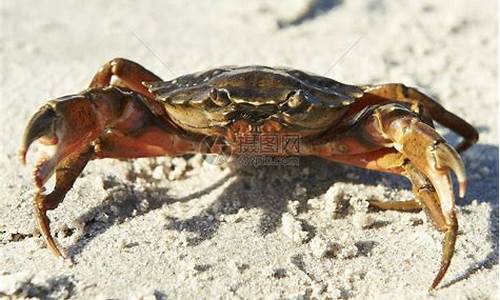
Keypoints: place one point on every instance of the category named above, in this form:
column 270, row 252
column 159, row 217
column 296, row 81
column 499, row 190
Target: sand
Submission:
column 186, row 228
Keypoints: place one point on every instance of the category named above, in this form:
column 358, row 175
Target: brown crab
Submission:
column 129, row 112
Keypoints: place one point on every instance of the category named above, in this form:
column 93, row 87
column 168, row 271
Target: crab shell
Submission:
column 300, row 102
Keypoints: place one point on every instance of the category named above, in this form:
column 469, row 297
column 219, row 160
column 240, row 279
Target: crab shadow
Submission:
column 124, row 203
column 54, row 288
column 271, row 188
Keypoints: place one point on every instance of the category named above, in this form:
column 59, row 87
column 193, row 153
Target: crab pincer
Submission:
column 430, row 160
column 97, row 123
column 70, row 142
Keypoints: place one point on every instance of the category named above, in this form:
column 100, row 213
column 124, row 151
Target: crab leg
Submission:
column 400, row 92
column 422, row 145
column 130, row 74
column 404, row 206
column 67, row 172
column 444, row 222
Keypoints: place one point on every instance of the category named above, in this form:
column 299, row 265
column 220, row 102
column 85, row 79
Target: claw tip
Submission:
column 462, row 188
column 22, row 156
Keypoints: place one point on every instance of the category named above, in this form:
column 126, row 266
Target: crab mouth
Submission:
column 41, row 129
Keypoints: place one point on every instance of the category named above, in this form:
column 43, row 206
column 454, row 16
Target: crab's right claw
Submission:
column 436, row 162
column 425, row 148
column 432, row 155
column 446, row 158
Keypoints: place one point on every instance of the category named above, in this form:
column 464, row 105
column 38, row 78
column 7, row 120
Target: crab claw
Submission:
column 445, row 157
column 434, row 160
column 66, row 125
column 434, row 157
column 421, row 144
column 40, row 125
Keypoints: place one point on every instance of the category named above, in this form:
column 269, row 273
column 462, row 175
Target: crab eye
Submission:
column 220, row 96
column 296, row 98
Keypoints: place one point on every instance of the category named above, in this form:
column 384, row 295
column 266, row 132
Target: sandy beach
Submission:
column 189, row 228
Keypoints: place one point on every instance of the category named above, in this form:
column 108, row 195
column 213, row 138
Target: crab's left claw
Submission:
column 66, row 125
column 109, row 122
column 39, row 126
column 430, row 160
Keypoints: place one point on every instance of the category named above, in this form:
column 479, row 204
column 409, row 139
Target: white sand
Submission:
column 141, row 230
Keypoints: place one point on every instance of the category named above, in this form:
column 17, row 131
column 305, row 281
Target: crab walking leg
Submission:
column 404, row 206
column 132, row 76
column 67, row 172
column 130, row 73
column 426, row 194
column 384, row 160
column 400, row 92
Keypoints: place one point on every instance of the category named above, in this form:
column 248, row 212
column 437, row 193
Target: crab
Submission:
column 129, row 112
